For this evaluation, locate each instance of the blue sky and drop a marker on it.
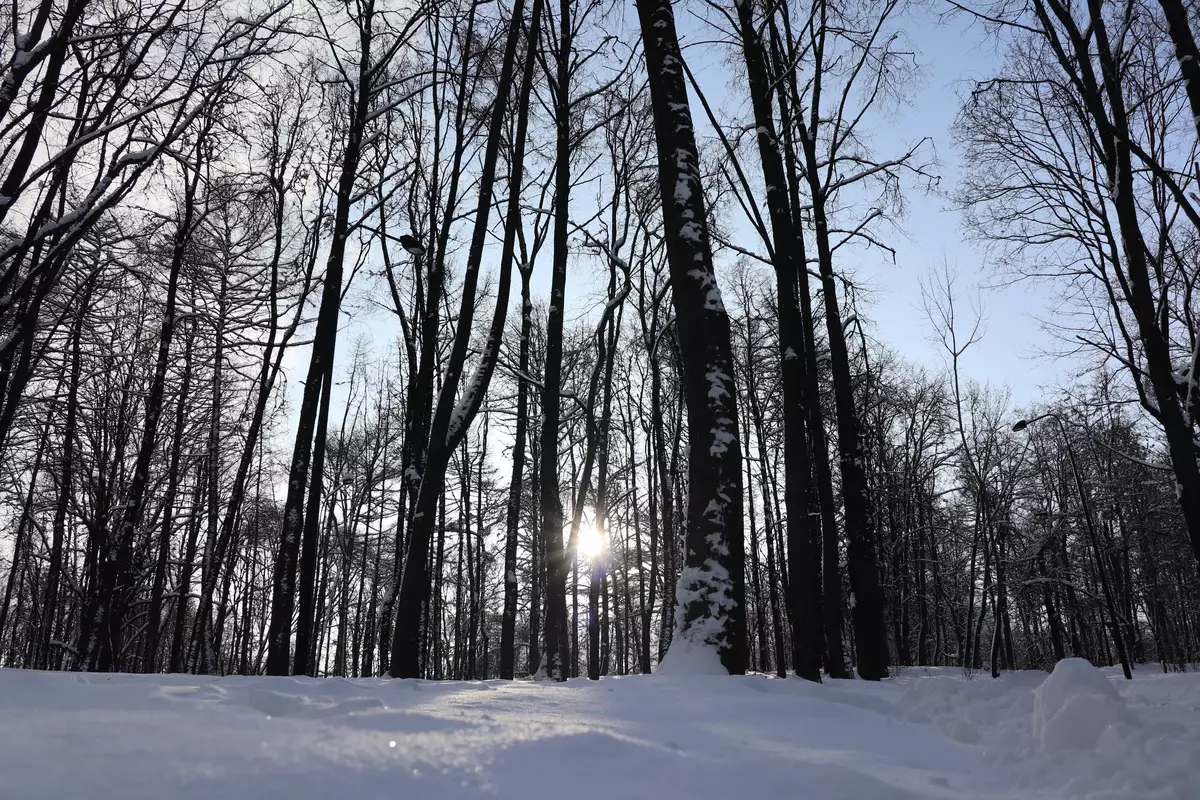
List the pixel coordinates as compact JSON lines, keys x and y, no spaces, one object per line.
{"x":1010,"y":353}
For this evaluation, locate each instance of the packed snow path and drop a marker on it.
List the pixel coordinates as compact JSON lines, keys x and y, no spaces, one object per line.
{"x":925,"y":734}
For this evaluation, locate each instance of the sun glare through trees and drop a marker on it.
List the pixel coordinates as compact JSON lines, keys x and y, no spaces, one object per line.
{"x":524,"y":341}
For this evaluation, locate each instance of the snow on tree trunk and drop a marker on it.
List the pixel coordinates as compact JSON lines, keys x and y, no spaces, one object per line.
{"x":710,"y":615}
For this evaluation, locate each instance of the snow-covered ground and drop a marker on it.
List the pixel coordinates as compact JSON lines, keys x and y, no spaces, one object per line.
{"x":926,"y":734}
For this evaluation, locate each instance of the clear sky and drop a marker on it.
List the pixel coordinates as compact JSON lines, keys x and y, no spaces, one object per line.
{"x":953,"y":56}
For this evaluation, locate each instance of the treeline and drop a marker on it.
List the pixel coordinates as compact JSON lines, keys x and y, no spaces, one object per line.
{"x":702,"y":449}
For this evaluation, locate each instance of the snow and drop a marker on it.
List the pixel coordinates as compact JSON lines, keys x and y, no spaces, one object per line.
{"x":69,"y":218}
{"x":137,"y":156}
{"x":1075,"y":706}
{"x":706,"y":588}
{"x":686,"y":657}
{"x":687,"y":733}
{"x":708,"y":283}
{"x":717,"y":382}
{"x":722,"y":438}
{"x":683,"y":189}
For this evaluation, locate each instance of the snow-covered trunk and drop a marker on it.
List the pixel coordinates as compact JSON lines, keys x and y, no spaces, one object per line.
{"x":710,"y":599}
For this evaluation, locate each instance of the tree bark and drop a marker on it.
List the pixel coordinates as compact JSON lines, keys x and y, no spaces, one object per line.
{"x":711,"y":594}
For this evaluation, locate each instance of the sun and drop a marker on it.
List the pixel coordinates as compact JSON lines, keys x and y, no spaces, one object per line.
{"x":591,"y":541}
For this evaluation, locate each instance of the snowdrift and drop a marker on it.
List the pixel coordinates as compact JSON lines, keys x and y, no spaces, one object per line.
{"x":1077,"y":733}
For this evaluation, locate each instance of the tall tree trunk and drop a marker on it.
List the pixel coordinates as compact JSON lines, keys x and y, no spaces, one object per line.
{"x":788,"y":259}
{"x":304,"y":660}
{"x":711,"y":594}
{"x":508,"y":623}
{"x":453,"y":416}
{"x":870,"y":630}
{"x":831,"y":569}
{"x":554,"y":555}
{"x":279,"y":644}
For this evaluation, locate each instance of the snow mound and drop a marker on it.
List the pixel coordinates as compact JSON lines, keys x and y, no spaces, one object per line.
{"x":1075,"y":706}
{"x":685,"y":657}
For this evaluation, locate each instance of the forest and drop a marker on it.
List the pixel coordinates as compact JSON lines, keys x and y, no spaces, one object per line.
{"x":619,"y":392}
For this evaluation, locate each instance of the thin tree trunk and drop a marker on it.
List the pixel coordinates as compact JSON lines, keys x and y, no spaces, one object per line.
{"x":50,"y":605}
{"x":508,"y":624}
{"x":279,"y":651}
